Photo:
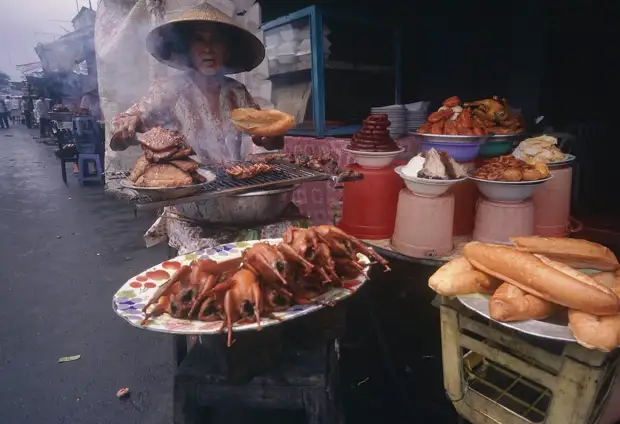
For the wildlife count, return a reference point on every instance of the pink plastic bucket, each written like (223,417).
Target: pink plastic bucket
(496,222)
(423,225)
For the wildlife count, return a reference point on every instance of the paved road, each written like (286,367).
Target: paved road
(64,252)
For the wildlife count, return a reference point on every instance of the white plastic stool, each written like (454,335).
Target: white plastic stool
(563,384)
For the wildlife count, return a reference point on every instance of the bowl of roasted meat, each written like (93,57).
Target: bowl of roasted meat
(483,121)
(165,170)
(508,179)
(372,147)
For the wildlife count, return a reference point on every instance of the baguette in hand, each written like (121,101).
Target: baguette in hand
(263,123)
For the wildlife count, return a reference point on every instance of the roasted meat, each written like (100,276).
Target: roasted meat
(438,165)
(245,172)
(159,139)
(139,168)
(164,176)
(187,165)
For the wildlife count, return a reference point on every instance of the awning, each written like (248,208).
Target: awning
(63,54)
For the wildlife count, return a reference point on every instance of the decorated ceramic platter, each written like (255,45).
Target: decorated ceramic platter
(129,300)
(554,327)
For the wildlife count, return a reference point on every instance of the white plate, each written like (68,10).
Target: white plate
(567,160)
(137,291)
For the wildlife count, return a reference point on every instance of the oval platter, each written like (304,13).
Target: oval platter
(548,329)
(129,300)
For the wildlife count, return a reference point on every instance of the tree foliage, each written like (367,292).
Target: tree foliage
(5,79)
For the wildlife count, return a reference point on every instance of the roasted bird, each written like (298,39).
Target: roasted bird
(245,172)
(266,279)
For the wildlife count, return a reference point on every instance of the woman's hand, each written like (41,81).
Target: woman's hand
(124,132)
(269,143)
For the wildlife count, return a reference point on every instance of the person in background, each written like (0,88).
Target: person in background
(16,113)
(23,106)
(90,101)
(42,109)
(4,114)
(29,112)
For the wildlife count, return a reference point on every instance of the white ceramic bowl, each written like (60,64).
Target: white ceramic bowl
(425,187)
(509,192)
(374,160)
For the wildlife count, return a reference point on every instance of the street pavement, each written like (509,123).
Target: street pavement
(64,252)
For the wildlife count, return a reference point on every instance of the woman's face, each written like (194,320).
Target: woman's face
(207,52)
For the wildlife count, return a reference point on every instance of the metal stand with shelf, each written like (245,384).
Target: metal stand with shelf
(319,63)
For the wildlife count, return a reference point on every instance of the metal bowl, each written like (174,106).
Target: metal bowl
(253,207)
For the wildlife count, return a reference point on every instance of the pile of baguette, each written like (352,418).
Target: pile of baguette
(539,277)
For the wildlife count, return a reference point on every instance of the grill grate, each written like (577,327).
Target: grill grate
(283,174)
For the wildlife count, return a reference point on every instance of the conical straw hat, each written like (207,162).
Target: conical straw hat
(167,45)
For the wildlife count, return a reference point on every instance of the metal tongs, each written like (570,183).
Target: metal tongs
(346,177)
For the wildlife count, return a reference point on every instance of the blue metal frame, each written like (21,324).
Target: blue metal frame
(315,14)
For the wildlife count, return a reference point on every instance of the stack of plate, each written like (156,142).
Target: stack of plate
(397,114)
(415,119)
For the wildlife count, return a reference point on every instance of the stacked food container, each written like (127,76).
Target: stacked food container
(369,205)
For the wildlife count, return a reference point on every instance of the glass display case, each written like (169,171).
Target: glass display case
(328,69)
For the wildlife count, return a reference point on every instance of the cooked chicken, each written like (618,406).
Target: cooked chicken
(440,166)
(454,169)
(159,139)
(187,165)
(139,168)
(153,156)
(164,176)
(433,166)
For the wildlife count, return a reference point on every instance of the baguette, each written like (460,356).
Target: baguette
(459,277)
(591,331)
(510,303)
(574,252)
(532,275)
(608,279)
(594,332)
(256,122)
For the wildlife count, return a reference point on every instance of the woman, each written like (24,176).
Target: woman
(206,45)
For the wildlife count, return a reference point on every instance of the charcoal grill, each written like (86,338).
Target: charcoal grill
(284,174)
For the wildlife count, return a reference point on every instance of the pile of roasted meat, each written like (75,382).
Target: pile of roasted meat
(266,279)
(374,136)
(487,116)
(165,162)
(508,168)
